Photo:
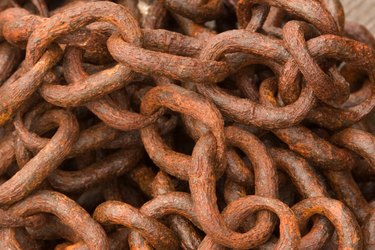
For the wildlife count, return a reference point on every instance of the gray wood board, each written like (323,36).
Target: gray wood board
(361,11)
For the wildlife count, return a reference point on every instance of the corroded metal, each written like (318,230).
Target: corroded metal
(175,124)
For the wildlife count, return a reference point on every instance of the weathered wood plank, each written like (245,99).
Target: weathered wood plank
(361,11)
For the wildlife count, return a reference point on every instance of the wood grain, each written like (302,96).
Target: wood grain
(361,11)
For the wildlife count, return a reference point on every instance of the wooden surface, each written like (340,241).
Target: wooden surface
(361,11)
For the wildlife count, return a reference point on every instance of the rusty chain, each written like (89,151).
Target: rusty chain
(175,124)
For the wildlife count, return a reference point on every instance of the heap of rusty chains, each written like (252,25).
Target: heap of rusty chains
(204,124)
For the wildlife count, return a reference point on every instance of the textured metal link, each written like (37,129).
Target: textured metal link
(176,124)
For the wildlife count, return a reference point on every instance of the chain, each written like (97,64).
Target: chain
(175,124)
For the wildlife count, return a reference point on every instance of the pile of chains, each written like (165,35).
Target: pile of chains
(185,124)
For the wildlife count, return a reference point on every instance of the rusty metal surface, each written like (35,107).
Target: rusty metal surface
(173,124)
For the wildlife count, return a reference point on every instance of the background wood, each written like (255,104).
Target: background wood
(361,11)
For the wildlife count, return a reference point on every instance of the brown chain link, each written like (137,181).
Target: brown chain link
(175,124)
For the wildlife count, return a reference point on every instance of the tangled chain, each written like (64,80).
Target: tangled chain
(176,124)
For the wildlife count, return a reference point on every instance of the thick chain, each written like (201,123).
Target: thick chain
(175,124)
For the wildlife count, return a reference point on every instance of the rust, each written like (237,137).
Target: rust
(175,124)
